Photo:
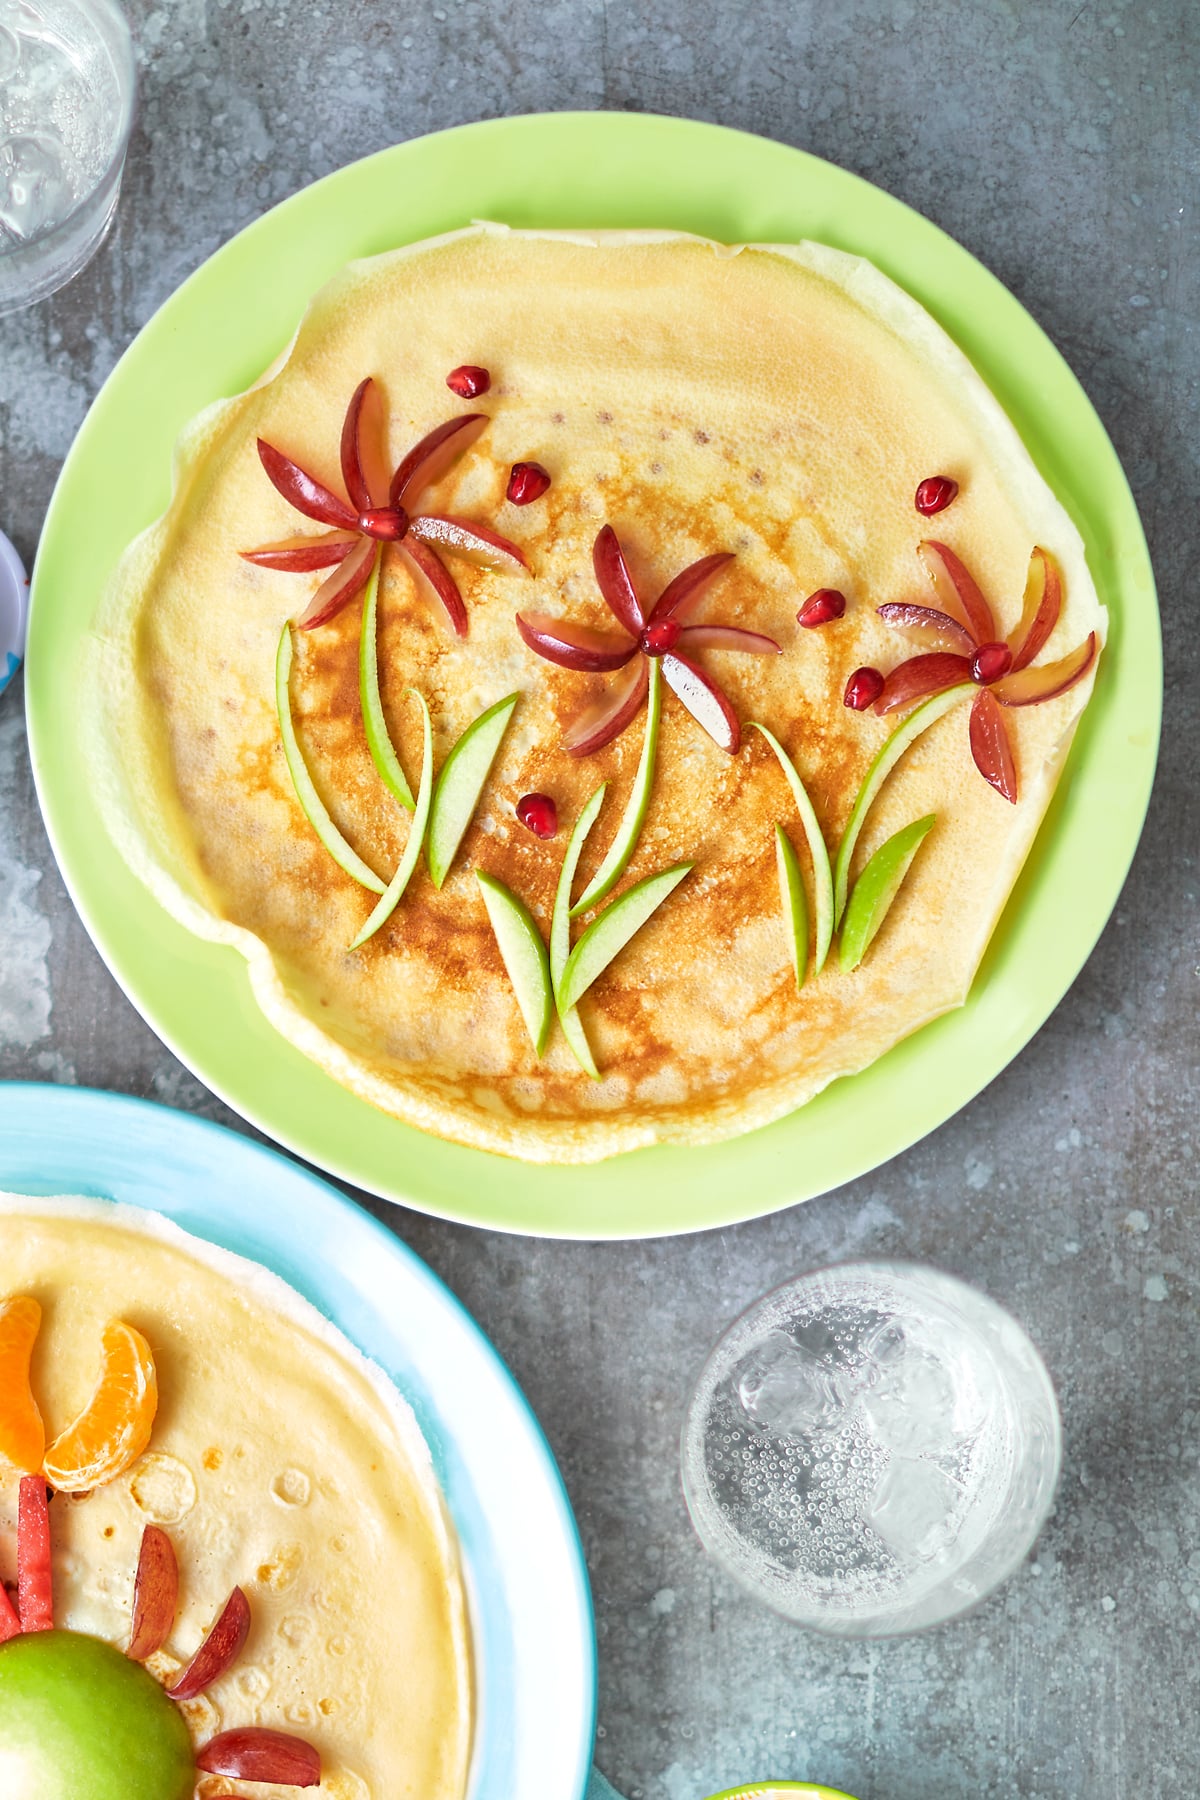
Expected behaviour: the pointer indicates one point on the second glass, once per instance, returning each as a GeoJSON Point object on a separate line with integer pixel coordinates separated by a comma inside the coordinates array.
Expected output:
{"type": "Point", "coordinates": [871, 1449]}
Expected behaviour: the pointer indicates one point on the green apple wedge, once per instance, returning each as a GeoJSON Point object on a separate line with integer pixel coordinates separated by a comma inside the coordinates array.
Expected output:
{"type": "Point", "coordinates": [822, 874]}
{"type": "Point", "coordinates": [461, 782]}
{"type": "Point", "coordinates": [311, 802]}
{"type": "Point", "coordinates": [524, 956]}
{"type": "Point", "coordinates": [795, 905]}
{"type": "Point", "coordinates": [379, 740]}
{"type": "Point", "coordinates": [608, 935]}
{"type": "Point", "coordinates": [783, 1790]}
{"type": "Point", "coordinates": [925, 715]}
{"type": "Point", "coordinates": [616, 860]}
{"type": "Point", "coordinates": [416, 837]}
{"type": "Point", "coordinates": [876, 888]}
{"type": "Point", "coordinates": [560, 931]}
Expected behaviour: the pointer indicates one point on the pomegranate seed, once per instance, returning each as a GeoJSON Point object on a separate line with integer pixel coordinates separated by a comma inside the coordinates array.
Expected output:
{"type": "Point", "coordinates": [526, 482]}
{"type": "Point", "coordinates": [820, 608]}
{"type": "Point", "coordinates": [990, 662]}
{"type": "Point", "coordinates": [468, 381]}
{"type": "Point", "coordinates": [658, 639]}
{"type": "Point", "coordinates": [538, 813]}
{"type": "Point", "coordinates": [385, 522]}
{"type": "Point", "coordinates": [863, 689]}
{"type": "Point", "coordinates": [934, 494]}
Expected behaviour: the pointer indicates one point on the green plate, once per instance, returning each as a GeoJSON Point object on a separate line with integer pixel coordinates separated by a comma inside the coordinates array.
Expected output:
{"type": "Point", "coordinates": [215, 336]}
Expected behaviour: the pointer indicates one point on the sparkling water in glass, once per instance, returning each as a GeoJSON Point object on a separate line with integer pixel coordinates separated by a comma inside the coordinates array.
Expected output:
{"type": "Point", "coordinates": [871, 1449]}
{"type": "Point", "coordinates": [66, 106]}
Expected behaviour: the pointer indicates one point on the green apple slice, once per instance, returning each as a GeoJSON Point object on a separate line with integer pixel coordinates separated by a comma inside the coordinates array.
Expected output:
{"type": "Point", "coordinates": [416, 837]}
{"type": "Point", "coordinates": [822, 873]}
{"type": "Point", "coordinates": [783, 1790]}
{"type": "Point", "coordinates": [311, 802]}
{"type": "Point", "coordinates": [524, 957]}
{"type": "Point", "coordinates": [461, 782]}
{"type": "Point", "coordinates": [560, 931]}
{"type": "Point", "coordinates": [795, 906]}
{"type": "Point", "coordinates": [889, 755]}
{"type": "Point", "coordinates": [379, 739]}
{"type": "Point", "coordinates": [629, 830]}
{"type": "Point", "coordinates": [877, 887]}
{"type": "Point", "coordinates": [608, 935]}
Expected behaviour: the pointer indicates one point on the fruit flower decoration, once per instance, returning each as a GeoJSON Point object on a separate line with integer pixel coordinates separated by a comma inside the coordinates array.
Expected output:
{"type": "Point", "coordinates": [963, 646]}
{"type": "Point", "coordinates": [79, 1720]}
{"type": "Point", "coordinates": [660, 636]}
{"type": "Point", "coordinates": [380, 512]}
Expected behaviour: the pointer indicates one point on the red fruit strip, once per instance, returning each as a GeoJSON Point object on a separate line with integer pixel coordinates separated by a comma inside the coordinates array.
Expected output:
{"type": "Point", "coordinates": [155, 1593]}
{"type": "Point", "coordinates": [436, 452]}
{"type": "Point", "coordinates": [615, 581]}
{"type": "Point", "coordinates": [527, 482]}
{"type": "Point", "coordinates": [300, 490]}
{"type": "Point", "coordinates": [254, 1753]}
{"type": "Point", "coordinates": [461, 537]}
{"type": "Point", "coordinates": [574, 646]}
{"type": "Point", "coordinates": [953, 581]}
{"type": "Point", "coordinates": [300, 555]}
{"type": "Point", "coordinates": [679, 596]}
{"type": "Point", "coordinates": [468, 381]}
{"type": "Point", "coordinates": [10, 1625]}
{"type": "Point", "coordinates": [922, 675]}
{"type": "Point", "coordinates": [705, 700]}
{"type": "Point", "coordinates": [35, 1602]}
{"type": "Point", "coordinates": [429, 564]}
{"type": "Point", "coordinates": [726, 637]}
{"type": "Point", "coordinates": [991, 748]}
{"type": "Point", "coordinates": [935, 630]}
{"type": "Point", "coordinates": [1039, 615]}
{"type": "Point", "coordinates": [219, 1649]}
{"type": "Point", "coordinates": [364, 456]}
{"type": "Point", "coordinates": [1029, 687]}
{"type": "Point", "coordinates": [339, 589]}
{"type": "Point", "coordinates": [606, 719]}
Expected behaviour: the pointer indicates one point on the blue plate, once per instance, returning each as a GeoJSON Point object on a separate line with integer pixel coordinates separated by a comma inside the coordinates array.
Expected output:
{"type": "Point", "coordinates": [534, 1637]}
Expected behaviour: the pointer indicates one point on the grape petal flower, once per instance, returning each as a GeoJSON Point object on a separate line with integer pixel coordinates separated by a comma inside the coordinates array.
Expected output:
{"type": "Point", "coordinates": [379, 512]}
{"type": "Point", "coordinates": [661, 633]}
{"type": "Point", "coordinates": [959, 635]}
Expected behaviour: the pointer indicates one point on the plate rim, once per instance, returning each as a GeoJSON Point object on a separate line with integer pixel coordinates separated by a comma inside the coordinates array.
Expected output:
{"type": "Point", "coordinates": [446, 1198]}
{"type": "Point", "coordinates": [119, 1126]}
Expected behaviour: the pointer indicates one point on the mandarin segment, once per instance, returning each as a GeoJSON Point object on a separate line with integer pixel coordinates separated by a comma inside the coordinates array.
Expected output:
{"type": "Point", "coordinates": [22, 1435]}
{"type": "Point", "coordinates": [114, 1427]}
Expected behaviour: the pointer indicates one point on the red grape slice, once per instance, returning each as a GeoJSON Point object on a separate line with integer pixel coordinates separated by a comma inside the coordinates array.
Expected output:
{"type": "Point", "coordinates": [429, 564]}
{"type": "Point", "coordinates": [957, 590]}
{"type": "Point", "coordinates": [155, 1593]}
{"type": "Point", "coordinates": [726, 637]}
{"type": "Point", "coordinates": [219, 1649]}
{"type": "Point", "coordinates": [1039, 615]}
{"type": "Point", "coordinates": [922, 675]}
{"type": "Point", "coordinates": [606, 719]}
{"type": "Point", "coordinates": [255, 1753]}
{"type": "Point", "coordinates": [364, 452]}
{"type": "Point", "coordinates": [300, 555]}
{"type": "Point", "coordinates": [681, 595]}
{"type": "Point", "coordinates": [705, 701]}
{"type": "Point", "coordinates": [615, 581]}
{"type": "Point", "coordinates": [991, 748]}
{"type": "Point", "coordinates": [300, 489]}
{"type": "Point", "coordinates": [477, 543]}
{"type": "Point", "coordinates": [1029, 687]}
{"type": "Point", "coordinates": [436, 452]}
{"type": "Point", "coordinates": [35, 1600]}
{"type": "Point", "coordinates": [574, 646]}
{"type": "Point", "coordinates": [339, 589]}
{"type": "Point", "coordinates": [925, 625]}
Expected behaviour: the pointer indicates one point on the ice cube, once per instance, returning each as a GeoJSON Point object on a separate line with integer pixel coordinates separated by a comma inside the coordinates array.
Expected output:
{"type": "Point", "coordinates": [921, 1392]}
{"type": "Point", "coordinates": [35, 192]}
{"type": "Point", "coordinates": [10, 52]}
{"type": "Point", "coordinates": [785, 1388]}
{"type": "Point", "coordinates": [912, 1508]}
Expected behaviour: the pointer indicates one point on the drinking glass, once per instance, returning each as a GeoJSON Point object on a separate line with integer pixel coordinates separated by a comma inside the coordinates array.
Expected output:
{"type": "Point", "coordinates": [66, 108]}
{"type": "Point", "coordinates": [871, 1449]}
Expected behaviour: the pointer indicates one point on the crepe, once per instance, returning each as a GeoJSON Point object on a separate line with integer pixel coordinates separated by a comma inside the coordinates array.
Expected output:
{"type": "Point", "coordinates": [281, 1461]}
{"type": "Point", "coordinates": [778, 402]}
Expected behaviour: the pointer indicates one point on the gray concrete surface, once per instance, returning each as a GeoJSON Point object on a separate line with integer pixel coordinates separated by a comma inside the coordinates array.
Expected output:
{"type": "Point", "coordinates": [1055, 140]}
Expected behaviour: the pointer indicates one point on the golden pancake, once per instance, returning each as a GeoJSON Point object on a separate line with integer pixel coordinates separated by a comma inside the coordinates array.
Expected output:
{"type": "Point", "coordinates": [779, 403]}
{"type": "Point", "coordinates": [280, 1461]}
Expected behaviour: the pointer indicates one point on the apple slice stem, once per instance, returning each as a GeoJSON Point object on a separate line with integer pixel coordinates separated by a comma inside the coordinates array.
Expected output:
{"type": "Point", "coordinates": [889, 754]}
{"type": "Point", "coordinates": [390, 899]}
{"type": "Point", "coordinates": [817, 850]}
{"type": "Point", "coordinates": [608, 935]}
{"type": "Point", "coordinates": [379, 740]}
{"type": "Point", "coordinates": [634, 817]}
{"type": "Point", "coordinates": [792, 898]}
{"type": "Point", "coordinates": [461, 782]}
{"type": "Point", "coordinates": [560, 931]}
{"type": "Point", "coordinates": [524, 956]}
{"type": "Point", "coordinates": [311, 803]}
{"type": "Point", "coordinates": [876, 888]}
